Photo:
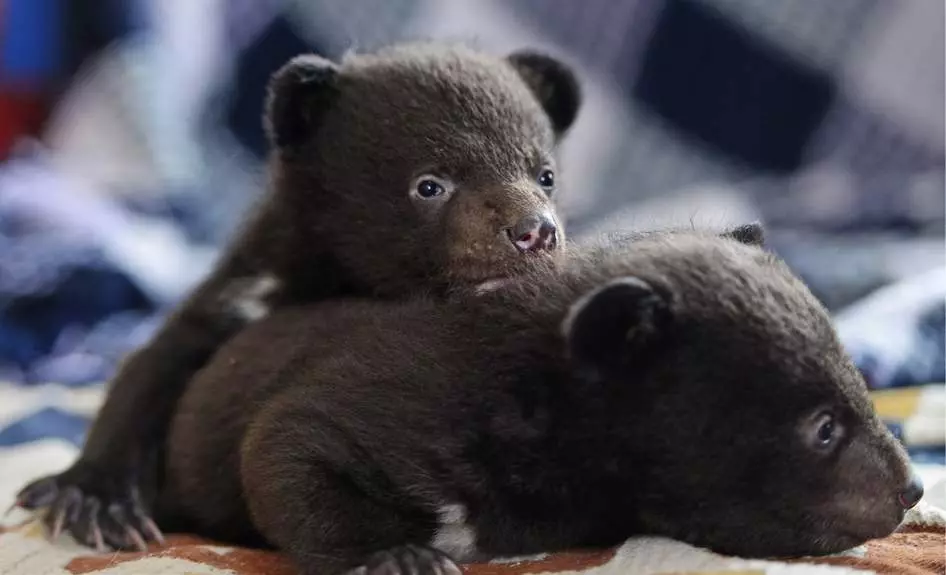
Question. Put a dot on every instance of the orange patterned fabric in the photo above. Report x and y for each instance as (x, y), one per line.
(918, 548)
(915, 551)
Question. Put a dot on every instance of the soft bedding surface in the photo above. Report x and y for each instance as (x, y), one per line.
(917, 549)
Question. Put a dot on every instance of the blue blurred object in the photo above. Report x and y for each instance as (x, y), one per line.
(49, 423)
(718, 82)
(30, 45)
(928, 456)
(80, 295)
(275, 46)
(75, 293)
(897, 335)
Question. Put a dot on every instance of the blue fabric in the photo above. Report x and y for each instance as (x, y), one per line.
(47, 289)
(274, 47)
(31, 39)
(719, 83)
(48, 423)
(897, 335)
(929, 456)
(69, 310)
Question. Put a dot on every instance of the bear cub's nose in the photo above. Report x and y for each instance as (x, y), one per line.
(910, 496)
(533, 233)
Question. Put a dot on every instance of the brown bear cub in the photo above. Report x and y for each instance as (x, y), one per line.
(417, 168)
(686, 385)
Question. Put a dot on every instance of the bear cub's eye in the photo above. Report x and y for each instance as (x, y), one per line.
(824, 431)
(547, 179)
(428, 187)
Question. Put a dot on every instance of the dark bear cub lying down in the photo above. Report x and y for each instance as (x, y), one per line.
(686, 385)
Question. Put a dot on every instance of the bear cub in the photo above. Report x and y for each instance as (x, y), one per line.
(421, 167)
(685, 385)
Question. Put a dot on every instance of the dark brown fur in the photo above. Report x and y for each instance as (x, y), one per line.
(665, 386)
(349, 140)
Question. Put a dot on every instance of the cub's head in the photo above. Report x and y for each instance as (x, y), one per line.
(423, 163)
(726, 404)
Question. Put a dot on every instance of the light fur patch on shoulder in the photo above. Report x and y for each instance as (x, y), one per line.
(247, 297)
(491, 285)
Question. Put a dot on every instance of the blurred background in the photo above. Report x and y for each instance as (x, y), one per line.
(131, 144)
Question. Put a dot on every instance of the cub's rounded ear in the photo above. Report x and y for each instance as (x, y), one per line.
(553, 83)
(298, 94)
(750, 234)
(611, 323)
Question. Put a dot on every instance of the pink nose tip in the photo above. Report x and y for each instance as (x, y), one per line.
(534, 233)
(910, 496)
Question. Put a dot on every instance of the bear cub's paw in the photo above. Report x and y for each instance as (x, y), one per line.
(408, 560)
(100, 510)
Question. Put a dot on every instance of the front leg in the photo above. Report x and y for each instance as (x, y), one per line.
(316, 495)
(104, 497)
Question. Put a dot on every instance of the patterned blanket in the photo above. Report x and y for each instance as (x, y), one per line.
(916, 549)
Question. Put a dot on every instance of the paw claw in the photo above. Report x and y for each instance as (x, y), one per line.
(151, 528)
(408, 560)
(58, 523)
(104, 512)
(136, 538)
(97, 537)
(38, 494)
